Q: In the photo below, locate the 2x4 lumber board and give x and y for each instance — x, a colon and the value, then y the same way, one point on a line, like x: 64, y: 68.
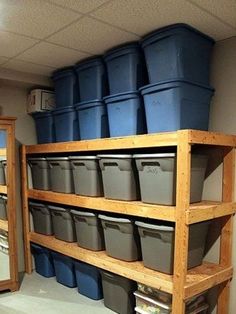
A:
x: 132, y: 270
x: 3, y: 152
x: 3, y: 225
x: 3, y: 189
x: 211, y: 138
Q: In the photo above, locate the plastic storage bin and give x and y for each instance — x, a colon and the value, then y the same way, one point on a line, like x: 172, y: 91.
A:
x: 93, y: 121
x: 118, y: 293
x: 126, y: 68
x: 89, y: 280
x: 157, y: 242
x: 121, y: 238
x: 2, y: 173
x: 44, y: 127
x: 92, y: 79
x: 89, y: 230
x: 159, y: 171
x: 43, y: 261
x: 126, y: 114
x: 66, y: 87
x: 64, y: 269
x: 120, y: 179
x: 87, y: 175
x: 3, y: 138
x: 174, y: 105
x: 4, y: 163
x: 61, y: 176
x: 41, y: 218
x: 63, y: 225
x: 66, y: 124
x: 40, y: 173
x: 3, y: 207
x: 178, y: 51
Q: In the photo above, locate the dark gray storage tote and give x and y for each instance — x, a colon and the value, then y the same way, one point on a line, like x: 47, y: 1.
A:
x: 2, y: 173
x: 157, y: 242
x: 63, y: 225
x: 87, y: 175
x: 118, y: 293
x: 157, y: 176
x: 4, y: 163
x: 89, y: 230
x: 40, y: 173
x: 120, y: 179
x: 61, y: 176
x: 121, y: 238
x: 41, y: 218
x: 3, y: 207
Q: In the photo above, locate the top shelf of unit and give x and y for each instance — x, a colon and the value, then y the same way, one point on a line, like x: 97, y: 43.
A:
x: 137, y: 141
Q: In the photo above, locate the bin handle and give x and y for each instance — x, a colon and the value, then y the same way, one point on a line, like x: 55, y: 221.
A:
x: 56, y: 214
x: 80, y: 219
x: 145, y: 233
x: 110, y: 225
x: 107, y: 164
x: 54, y: 164
x: 76, y: 163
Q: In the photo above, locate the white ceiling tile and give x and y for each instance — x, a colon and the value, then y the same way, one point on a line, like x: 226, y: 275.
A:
x: 35, y: 18
x: 52, y: 55
x: 12, y: 44
x: 83, y: 6
x: 140, y: 16
x: 27, y: 67
x: 90, y: 35
x: 3, y: 60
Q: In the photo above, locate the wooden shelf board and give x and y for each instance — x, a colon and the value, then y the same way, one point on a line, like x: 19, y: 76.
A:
x: 211, y: 138
x: 3, y: 225
x: 3, y: 189
x: 3, y: 152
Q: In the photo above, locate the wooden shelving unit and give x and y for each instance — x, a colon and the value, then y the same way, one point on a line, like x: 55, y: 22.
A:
x: 3, y: 152
x: 3, y: 189
x: 3, y: 225
x: 183, y: 284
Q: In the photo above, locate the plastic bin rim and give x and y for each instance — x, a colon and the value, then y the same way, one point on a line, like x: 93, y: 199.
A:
x: 39, y: 247
x: 121, y: 50
x: 89, y: 104
x: 151, y: 300
x: 37, y: 204
x: 120, y: 156
x: 60, y: 209
x: 114, y: 219
x: 154, y: 227
x: 80, y: 213
x: 89, y: 62
x: 41, y: 114
x: 57, y: 158
x: 37, y: 159
x: 156, y: 155
x: 63, y: 110
x: 4, y: 197
x: 120, y: 96
x: 83, y: 157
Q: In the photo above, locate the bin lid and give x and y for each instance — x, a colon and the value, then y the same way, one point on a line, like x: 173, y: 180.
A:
x: 88, y: 104
x: 156, y: 155
x: 154, y: 227
x: 40, y: 115
x: 61, y: 209
x: 60, y: 73
x: 36, y: 159
x: 132, y: 47
x: 147, y: 298
x: 120, y: 156
x: 121, y: 96
x: 83, y: 157
x: 36, y: 204
x: 80, y: 213
x: 57, y: 158
x: 4, y: 197
x: 89, y: 62
x: 114, y: 219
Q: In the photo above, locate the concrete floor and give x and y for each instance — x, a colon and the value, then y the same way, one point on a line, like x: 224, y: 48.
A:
x: 39, y: 295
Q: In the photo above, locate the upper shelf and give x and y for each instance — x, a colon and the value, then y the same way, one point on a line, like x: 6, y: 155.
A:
x: 137, y: 141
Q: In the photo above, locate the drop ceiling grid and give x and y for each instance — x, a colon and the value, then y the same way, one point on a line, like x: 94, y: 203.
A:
x: 80, y: 30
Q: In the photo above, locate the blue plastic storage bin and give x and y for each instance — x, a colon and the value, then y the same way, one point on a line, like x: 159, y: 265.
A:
x: 66, y: 87
x: 3, y: 138
x: 44, y: 127
x: 175, y: 105
x: 178, y: 52
x: 89, y: 280
x: 92, y: 79
x: 43, y: 261
x: 126, y: 68
x: 93, y: 121
x: 66, y: 124
x: 126, y: 114
x: 64, y: 269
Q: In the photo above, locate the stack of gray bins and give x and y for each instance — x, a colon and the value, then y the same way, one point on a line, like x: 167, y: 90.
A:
x: 41, y: 218
x: 40, y: 173
x: 3, y: 207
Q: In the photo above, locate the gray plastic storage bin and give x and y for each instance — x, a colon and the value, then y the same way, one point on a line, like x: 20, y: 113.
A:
x: 42, y: 218
x: 89, y: 231
x: 121, y: 238
x: 118, y: 293
x: 87, y: 175
x: 4, y: 163
x: 61, y: 176
x: 3, y: 207
x: 40, y: 173
x: 2, y: 173
x: 120, y: 179
x: 63, y: 225
x: 157, y: 176
x: 157, y: 244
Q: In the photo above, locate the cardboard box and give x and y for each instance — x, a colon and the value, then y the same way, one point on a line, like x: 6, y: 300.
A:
x: 40, y: 100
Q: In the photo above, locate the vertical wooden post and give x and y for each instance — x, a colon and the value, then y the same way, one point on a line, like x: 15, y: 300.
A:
x: 227, y: 228
x: 181, y: 229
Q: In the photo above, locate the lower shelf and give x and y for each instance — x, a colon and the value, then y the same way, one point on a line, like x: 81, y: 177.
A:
x: 3, y: 225
x: 198, y: 279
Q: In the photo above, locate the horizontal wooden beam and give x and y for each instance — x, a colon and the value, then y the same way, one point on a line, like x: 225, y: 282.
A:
x: 3, y: 225
x: 3, y: 189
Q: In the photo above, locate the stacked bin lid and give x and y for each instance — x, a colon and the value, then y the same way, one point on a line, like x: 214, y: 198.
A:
x: 40, y: 173
x: 41, y: 218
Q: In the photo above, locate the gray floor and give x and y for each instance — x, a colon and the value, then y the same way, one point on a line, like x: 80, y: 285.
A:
x: 39, y: 295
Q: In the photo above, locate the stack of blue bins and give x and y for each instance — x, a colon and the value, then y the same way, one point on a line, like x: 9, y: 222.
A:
x: 91, y: 110
x: 126, y: 74
x: 179, y: 95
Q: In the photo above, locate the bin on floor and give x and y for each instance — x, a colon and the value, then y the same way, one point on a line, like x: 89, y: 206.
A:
x: 157, y: 242
x: 41, y: 218
x: 89, y: 230
x: 93, y: 122
x: 87, y: 175
x: 63, y: 225
x: 44, y: 127
x: 89, y: 280
x: 61, y: 175
x: 40, y: 173
x: 178, y: 51
x: 64, y: 269
x: 3, y: 139
x: 92, y: 79
x: 126, y: 114
x: 3, y: 207
x: 118, y: 293
x: 121, y: 238
x: 120, y: 178
x: 159, y: 171
x: 43, y: 260
x: 175, y: 105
